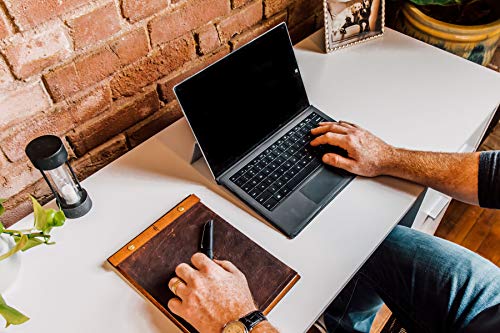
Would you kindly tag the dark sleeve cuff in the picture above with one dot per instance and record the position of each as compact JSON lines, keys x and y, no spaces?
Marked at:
{"x":489,"y":179}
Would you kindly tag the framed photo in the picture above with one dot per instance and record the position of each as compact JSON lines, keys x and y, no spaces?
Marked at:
{"x":349,"y":22}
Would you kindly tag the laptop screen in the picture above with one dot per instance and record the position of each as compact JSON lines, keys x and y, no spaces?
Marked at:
{"x":241,"y":100}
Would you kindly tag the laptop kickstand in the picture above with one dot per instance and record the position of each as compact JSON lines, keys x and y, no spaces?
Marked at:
{"x":196,"y":153}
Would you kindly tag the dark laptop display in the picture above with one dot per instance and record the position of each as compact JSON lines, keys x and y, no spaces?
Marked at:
{"x":235,"y":104}
{"x":252,"y":120}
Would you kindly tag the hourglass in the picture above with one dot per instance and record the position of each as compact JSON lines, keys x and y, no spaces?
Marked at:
{"x":48,"y":154}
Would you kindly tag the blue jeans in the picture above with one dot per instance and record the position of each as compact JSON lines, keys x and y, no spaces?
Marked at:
{"x":430,"y":284}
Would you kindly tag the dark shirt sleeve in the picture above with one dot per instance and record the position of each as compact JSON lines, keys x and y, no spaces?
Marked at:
{"x":489,"y":179}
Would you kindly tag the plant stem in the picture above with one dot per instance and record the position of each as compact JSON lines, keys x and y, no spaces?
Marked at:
{"x":38,"y":234}
{"x":30,"y":235}
{"x":12,"y":233}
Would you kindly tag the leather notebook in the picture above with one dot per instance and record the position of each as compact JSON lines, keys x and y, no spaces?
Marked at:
{"x":148,"y":261}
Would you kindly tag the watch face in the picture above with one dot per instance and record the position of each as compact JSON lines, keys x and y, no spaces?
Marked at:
{"x":235,"y":327}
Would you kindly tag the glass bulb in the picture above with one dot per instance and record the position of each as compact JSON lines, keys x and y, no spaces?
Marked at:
{"x":64,"y":184}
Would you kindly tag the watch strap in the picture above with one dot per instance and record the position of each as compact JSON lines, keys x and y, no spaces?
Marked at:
{"x":252,"y":319}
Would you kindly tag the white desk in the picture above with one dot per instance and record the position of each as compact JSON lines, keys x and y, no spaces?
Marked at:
{"x":409,"y":93}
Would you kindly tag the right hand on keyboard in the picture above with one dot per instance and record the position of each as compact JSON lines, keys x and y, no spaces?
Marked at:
{"x":367,"y":155}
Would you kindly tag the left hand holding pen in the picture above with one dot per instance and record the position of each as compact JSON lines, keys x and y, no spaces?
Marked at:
{"x":211,"y":294}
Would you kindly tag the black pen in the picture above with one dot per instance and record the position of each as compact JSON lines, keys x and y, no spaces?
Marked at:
{"x":207,"y":239}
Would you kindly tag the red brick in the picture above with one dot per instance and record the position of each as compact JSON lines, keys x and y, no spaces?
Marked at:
{"x":62,"y":82}
{"x":96,"y":67}
{"x":160,"y":63}
{"x":154,"y":124}
{"x":166,"y":87}
{"x":22,"y":103}
{"x":17,"y":177}
{"x":241,"y":20}
{"x":304,"y":29}
{"x":302,"y":10}
{"x":69,"y":79}
{"x":208,"y":39}
{"x":239,"y":3}
{"x":244,"y":38}
{"x":131,"y":47}
{"x":186,"y":18}
{"x":28,"y":13}
{"x":90,"y":104}
{"x":19,"y":205}
{"x":100,"y":156}
{"x":54,"y":122}
{"x":5,"y":27}
{"x":135,"y":10}
{"x":113,"y":122}
{"x":73,"y":77}
{"x":320,"y":20}
{"x":5,"y":76}
{"x":36,"y":51}
{"x":3,"y":161}
{"x":272,"y":7}
{"x":95,"y":26}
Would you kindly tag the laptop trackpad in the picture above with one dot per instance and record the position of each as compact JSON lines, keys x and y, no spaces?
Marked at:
{"x":320,"y":185}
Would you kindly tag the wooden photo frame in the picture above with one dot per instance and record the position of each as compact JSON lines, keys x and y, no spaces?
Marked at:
{"x":348,"y":22}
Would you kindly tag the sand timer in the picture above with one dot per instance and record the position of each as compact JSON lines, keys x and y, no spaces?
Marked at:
{"x":48,"y":154}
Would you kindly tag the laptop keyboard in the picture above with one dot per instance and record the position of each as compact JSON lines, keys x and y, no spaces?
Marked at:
{"x":280,"y":169}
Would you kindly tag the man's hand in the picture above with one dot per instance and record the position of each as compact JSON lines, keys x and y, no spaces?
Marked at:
{"x":368,"y":155}
{"x":211,"y":294}
{"x":455,"y":174}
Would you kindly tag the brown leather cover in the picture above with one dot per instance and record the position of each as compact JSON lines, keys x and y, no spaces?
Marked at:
{"x":149,"y":260}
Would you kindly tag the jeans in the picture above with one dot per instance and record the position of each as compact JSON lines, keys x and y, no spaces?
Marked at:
{"x":430,"y":284}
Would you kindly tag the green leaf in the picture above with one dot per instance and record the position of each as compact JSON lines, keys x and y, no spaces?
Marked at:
{"x":32,"y":243}
{"x":59,"y":219}
{"x":19,"y":245}
{"x":40,"y":215}
{"x":11,"y":315}
{"x":2,"y":228}
{"x":46,"y":219}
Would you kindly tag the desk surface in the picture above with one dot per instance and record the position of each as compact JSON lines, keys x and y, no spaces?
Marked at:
{"x":409,"y":93}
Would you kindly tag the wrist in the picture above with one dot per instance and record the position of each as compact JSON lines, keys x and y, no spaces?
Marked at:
{"x":245,"y":323}
{"x":391,"y":162}
{"x":264,"y":326}
{"x":244,"y":312}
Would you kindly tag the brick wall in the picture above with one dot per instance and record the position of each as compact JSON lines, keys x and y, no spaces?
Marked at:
{"x":100,"y":73}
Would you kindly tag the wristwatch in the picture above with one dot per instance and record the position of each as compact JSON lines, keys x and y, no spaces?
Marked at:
{"x":244,"y":324}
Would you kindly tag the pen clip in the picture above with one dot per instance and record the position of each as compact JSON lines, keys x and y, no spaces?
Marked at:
{"x":202,"y":236}
{"x":203,"y":233}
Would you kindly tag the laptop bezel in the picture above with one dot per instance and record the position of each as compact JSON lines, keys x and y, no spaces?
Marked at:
{"x":241,"y":49}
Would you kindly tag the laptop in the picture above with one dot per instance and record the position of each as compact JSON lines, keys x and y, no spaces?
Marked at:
{"x":251,"y":118}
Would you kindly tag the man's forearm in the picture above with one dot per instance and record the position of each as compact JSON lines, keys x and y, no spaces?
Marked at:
{"x":455,"y":174}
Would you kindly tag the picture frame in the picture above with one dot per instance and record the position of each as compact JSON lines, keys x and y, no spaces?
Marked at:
{"x":349,"y":22}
